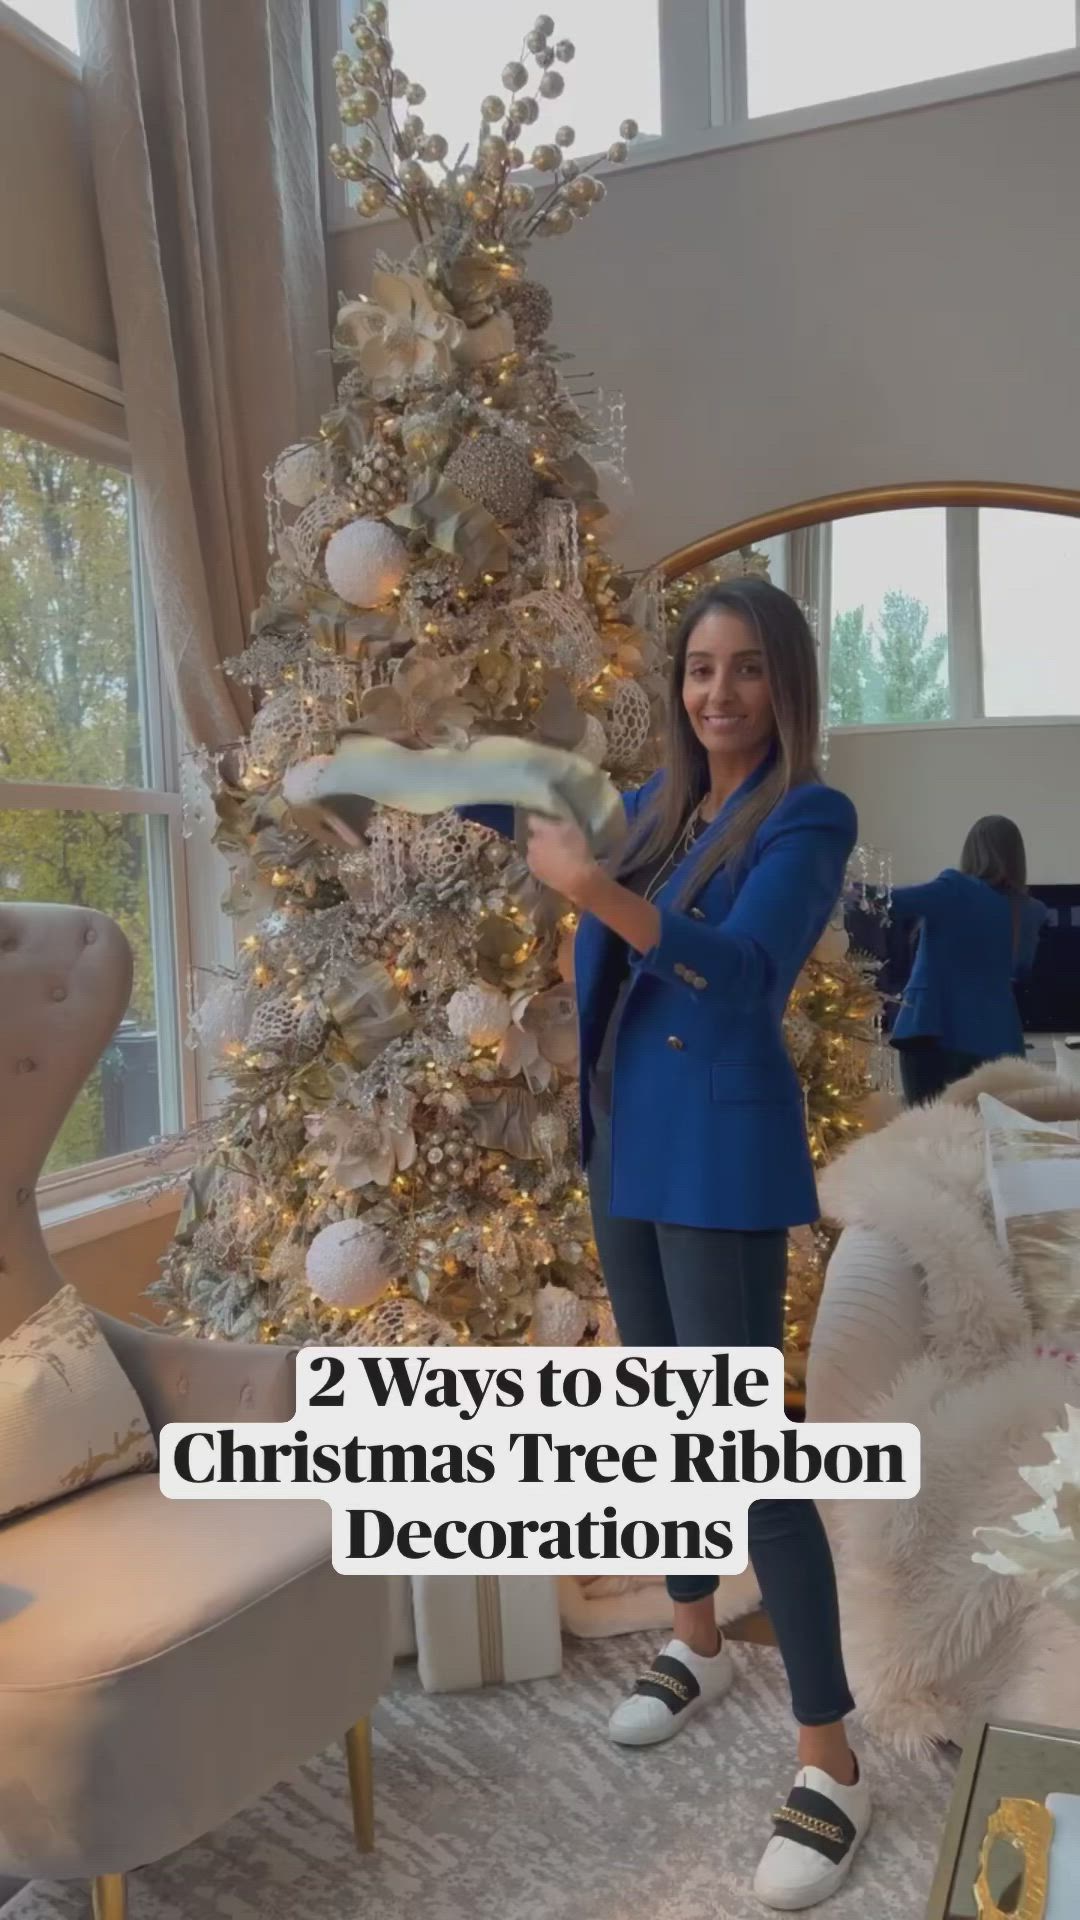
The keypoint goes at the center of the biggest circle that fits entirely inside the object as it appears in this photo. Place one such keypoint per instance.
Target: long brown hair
(790, 662)
(994, 851)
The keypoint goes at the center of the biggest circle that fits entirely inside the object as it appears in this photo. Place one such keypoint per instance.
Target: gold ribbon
(357, 636)
(501, 1118)
(494, 770)
(367, 1010)
(455, 525)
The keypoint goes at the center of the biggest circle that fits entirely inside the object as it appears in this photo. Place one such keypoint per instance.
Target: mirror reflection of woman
(693, 1127)
(978, 933)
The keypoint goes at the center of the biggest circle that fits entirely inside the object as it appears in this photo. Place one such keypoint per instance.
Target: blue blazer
(708, 1116)
(960, 992)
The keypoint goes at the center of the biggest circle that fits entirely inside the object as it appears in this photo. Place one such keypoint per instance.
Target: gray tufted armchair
(162, 1663)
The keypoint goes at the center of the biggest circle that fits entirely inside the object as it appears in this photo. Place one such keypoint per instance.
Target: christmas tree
(395, 1154)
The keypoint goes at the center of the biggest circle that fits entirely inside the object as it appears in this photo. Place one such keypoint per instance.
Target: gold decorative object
(1029, 1827)
(849, 505)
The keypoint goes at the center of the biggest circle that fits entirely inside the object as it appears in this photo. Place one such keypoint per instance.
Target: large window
(699, 73)
(889, 647)
(88, 807)
(57, 18)
(1029, 564)
(800, 53)
(962, 614)
(458, 53)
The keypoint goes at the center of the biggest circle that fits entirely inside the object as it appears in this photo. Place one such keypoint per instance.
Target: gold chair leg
(110, 1897)
(361, 1784)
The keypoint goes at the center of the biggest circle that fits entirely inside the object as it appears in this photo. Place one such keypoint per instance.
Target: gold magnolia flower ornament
(403, 337)
(422, 705)
(359, 1150)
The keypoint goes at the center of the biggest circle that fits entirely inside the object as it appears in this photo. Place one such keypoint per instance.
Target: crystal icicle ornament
(195, 790)
(559, 552)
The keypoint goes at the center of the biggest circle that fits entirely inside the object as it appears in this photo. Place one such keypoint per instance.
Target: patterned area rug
(510, 1804)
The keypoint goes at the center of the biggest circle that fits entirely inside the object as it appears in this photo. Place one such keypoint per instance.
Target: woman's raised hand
(559, 857)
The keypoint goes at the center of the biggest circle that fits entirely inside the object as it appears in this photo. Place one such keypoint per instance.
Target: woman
(980, 928)
(693, 1128)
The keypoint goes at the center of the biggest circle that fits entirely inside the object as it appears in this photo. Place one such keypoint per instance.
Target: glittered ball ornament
(347, 1264)
(377, 478)
(277, 729)
(496, 474)
(479, 1014)
(299, 472)
(559, 1318)
(529, 305)
(364, 563)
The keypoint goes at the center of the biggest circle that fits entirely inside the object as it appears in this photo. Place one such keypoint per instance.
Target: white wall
(893, 300)
(52, 263)
(919, 791)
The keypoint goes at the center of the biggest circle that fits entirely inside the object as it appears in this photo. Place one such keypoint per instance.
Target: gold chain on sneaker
(677, 1687)
(825, 1828)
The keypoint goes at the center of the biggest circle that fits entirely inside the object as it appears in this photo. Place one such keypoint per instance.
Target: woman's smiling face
(725, 690)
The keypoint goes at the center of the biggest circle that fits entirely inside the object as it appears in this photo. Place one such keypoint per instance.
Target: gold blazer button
(674, 1041)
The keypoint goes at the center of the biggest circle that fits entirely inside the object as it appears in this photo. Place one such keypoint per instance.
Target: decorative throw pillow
(69, 1415)
(1033, 1173)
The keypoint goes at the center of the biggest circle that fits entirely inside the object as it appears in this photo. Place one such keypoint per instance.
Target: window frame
(95, 1198)
(703, 91)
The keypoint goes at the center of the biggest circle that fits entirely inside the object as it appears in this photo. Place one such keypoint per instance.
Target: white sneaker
(674, 1688)
(819, 1830)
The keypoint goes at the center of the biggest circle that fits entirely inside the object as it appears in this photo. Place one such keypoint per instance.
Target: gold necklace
(680, 847)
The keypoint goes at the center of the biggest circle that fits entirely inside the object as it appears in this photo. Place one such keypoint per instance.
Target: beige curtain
(202, 122)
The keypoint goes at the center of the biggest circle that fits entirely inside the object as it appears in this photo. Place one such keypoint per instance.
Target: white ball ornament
(299, 473)
(479, 1014)
(347, 1264)
(365, 561)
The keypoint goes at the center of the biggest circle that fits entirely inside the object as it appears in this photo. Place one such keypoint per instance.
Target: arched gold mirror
(946, 602)
(948, 628)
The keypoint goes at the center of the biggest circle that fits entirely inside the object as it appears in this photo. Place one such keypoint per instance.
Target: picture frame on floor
(1011, 1846)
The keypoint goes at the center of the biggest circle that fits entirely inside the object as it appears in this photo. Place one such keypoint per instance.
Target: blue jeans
(701, 1287)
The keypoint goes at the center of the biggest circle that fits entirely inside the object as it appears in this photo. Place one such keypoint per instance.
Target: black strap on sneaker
(668, 1680)
(816, 1822)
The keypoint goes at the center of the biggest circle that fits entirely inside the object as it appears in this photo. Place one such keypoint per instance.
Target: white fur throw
(933, 1642)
